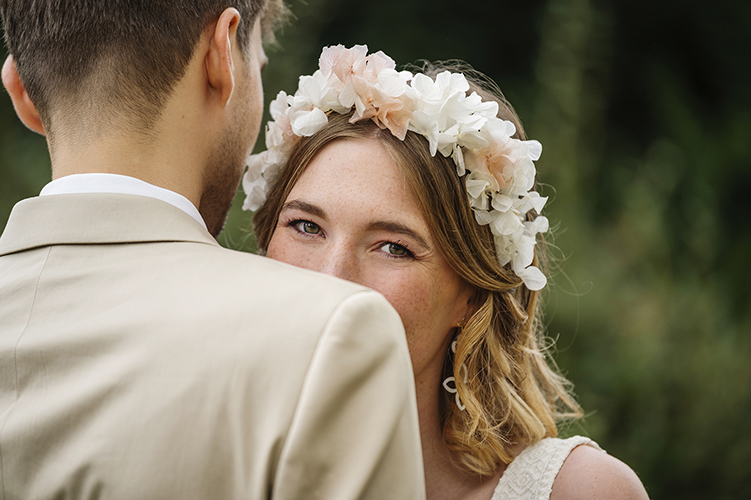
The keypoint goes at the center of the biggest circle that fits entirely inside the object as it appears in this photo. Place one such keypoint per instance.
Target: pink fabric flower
(344, 62)
(493, 160)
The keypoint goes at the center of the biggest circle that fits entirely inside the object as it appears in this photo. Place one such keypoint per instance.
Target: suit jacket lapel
(84, 219)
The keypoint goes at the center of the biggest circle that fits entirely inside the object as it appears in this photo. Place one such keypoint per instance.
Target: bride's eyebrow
(396, 227)
(305, 207)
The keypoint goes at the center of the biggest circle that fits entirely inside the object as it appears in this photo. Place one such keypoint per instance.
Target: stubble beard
(222, 177)
(226, 162)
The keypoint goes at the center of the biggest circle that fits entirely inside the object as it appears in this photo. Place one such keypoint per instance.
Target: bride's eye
(307, 227)
(396, 250)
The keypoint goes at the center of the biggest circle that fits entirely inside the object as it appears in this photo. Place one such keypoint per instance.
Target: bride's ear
(25, 109)
(471, 306)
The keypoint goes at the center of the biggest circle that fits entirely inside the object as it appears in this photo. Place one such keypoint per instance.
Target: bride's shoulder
(588, 472)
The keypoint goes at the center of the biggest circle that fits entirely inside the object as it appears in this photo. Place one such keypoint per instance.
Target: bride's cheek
(276, 250)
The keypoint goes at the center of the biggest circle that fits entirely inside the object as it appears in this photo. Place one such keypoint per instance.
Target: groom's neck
(172, 153)
(123, 155)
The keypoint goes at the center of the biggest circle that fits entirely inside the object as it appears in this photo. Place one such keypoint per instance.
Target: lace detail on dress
(531, 475)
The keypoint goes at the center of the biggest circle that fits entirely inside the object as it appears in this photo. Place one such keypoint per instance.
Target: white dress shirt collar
(119, 184)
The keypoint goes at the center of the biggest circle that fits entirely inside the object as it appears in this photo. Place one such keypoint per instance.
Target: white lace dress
(530, 476)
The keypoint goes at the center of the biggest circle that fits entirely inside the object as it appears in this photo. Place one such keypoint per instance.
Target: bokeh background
(644, 111)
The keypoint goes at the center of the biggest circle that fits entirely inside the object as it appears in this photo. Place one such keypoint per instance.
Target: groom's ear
(25, 109)
(220, 58)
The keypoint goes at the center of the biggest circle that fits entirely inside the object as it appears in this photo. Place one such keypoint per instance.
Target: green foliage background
(645, 116)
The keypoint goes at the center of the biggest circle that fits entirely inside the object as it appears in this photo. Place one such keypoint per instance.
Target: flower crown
(499, 168)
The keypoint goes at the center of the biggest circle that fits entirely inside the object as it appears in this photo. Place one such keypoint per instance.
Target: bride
(421, 186)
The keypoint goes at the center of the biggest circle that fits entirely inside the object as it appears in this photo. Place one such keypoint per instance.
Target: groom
(139, 359)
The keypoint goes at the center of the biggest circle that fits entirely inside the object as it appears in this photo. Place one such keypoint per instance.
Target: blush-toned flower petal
(329, 57)
(395, 116)
(344, 62)
(378, 62)
(476, 163)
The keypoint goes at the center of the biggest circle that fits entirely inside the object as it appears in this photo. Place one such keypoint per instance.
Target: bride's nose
(341, 262)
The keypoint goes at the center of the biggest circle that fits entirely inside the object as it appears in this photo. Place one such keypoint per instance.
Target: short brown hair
(512, 390)
(137, 51)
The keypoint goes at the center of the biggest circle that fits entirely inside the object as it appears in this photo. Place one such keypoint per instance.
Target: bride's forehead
(358, 180)
(361, 166)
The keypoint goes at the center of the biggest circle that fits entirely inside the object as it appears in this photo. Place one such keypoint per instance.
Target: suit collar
(119, 184)
(85, 219)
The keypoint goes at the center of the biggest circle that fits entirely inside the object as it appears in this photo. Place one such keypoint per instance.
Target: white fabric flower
(532, 277)
(254, 182)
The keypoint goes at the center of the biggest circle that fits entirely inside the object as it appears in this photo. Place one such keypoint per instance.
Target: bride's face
(352, 215)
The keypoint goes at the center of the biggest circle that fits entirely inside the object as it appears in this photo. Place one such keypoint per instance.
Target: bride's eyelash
(408, 253)
(294, 222)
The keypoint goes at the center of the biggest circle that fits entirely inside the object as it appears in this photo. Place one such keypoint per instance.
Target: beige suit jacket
(140, 360)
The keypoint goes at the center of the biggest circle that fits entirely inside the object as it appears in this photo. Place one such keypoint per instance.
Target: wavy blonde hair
(510, 386)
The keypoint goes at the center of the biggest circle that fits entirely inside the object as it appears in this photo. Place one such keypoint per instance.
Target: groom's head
(116, 56)
(180, 78)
